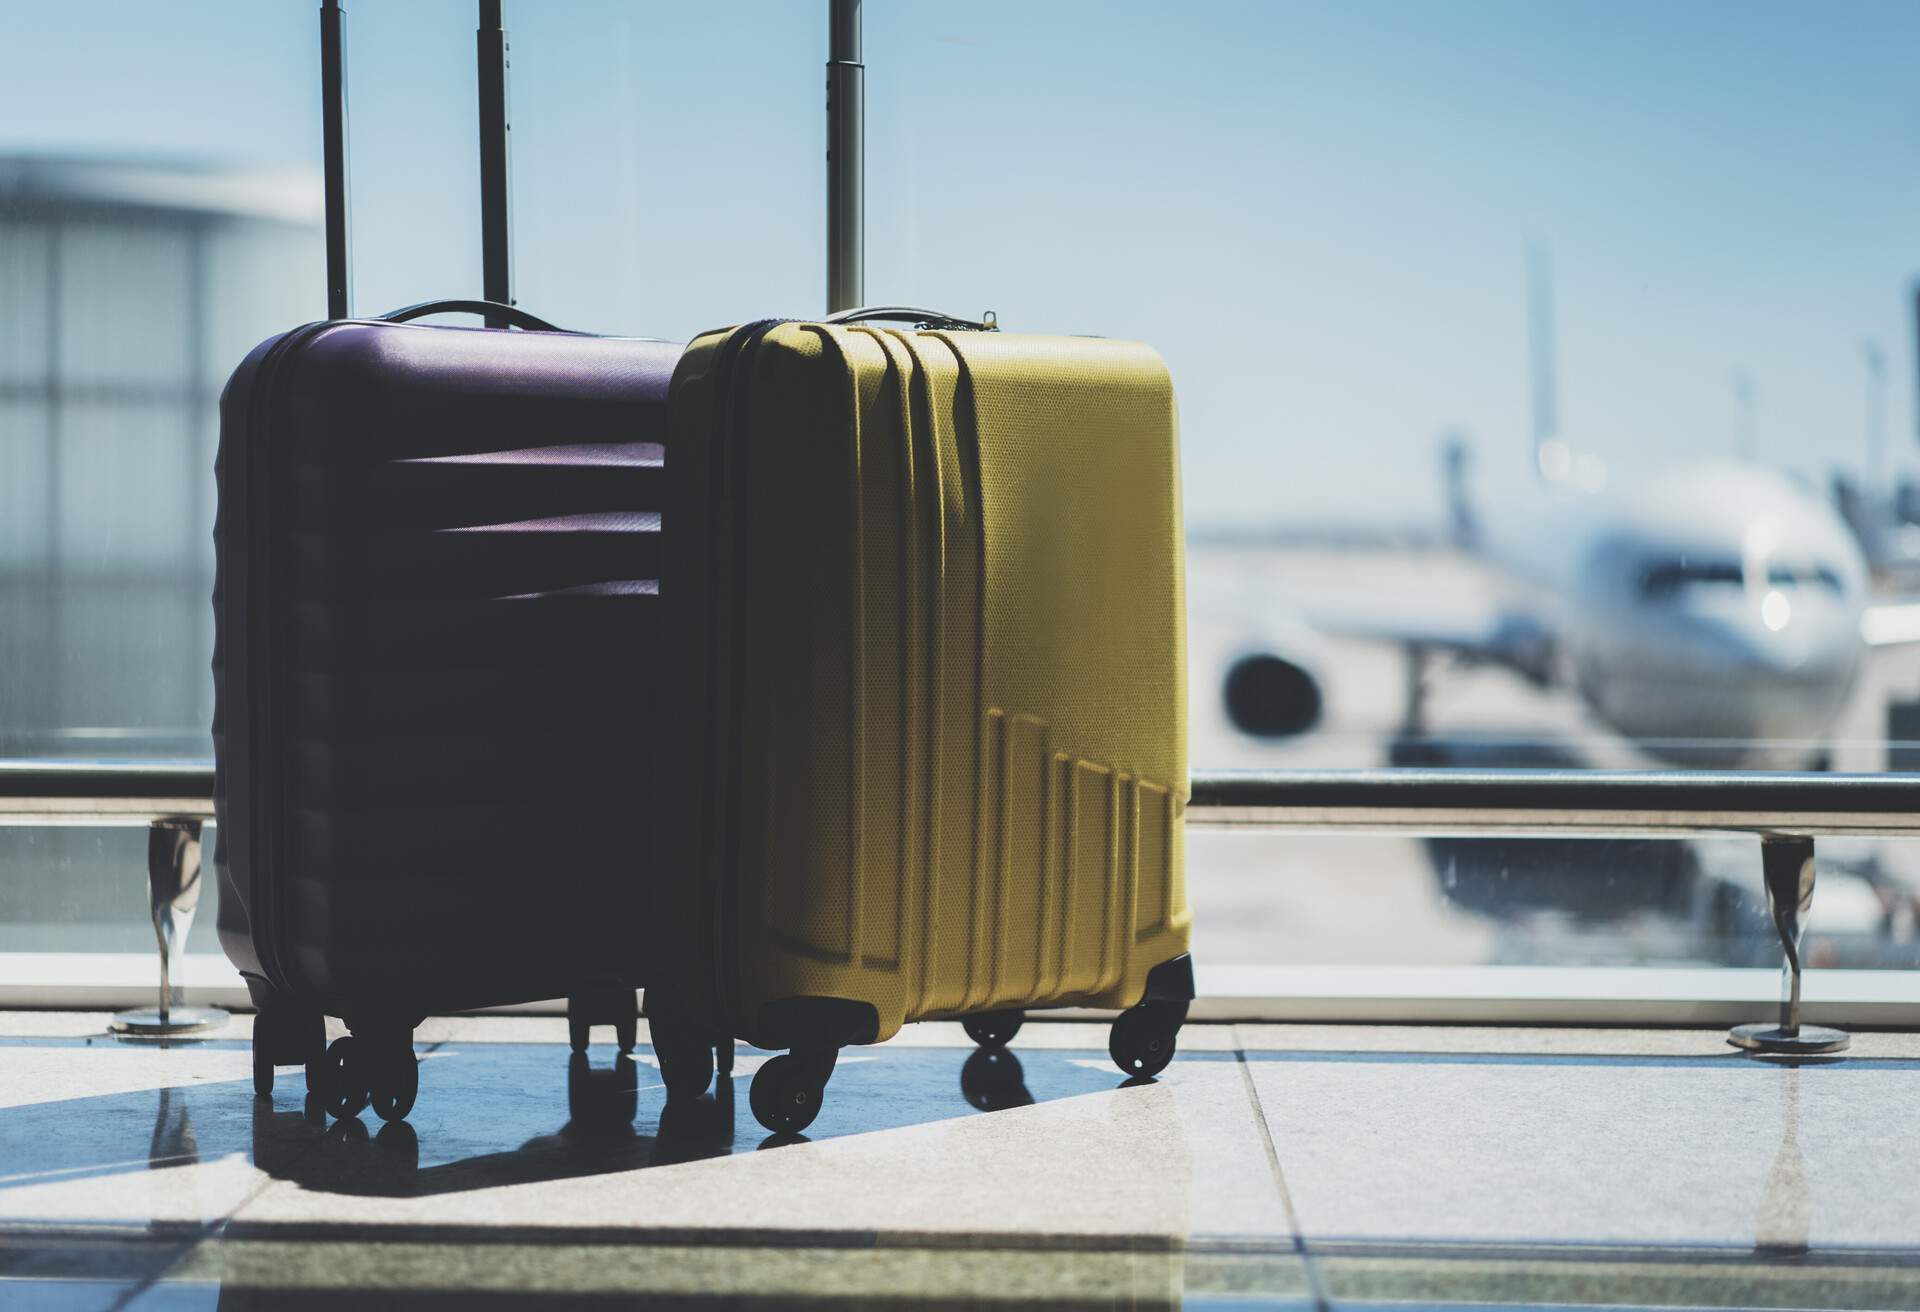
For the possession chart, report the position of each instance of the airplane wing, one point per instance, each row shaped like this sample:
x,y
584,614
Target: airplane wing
x,y
1517,639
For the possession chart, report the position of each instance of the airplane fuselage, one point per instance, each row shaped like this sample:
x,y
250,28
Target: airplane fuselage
x,y
1712,615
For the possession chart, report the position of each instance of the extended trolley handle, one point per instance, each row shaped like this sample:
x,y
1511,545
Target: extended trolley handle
x,y
495,163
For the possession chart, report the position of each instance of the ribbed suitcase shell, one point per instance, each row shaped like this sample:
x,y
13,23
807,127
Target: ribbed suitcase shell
x,y
435,632
927,743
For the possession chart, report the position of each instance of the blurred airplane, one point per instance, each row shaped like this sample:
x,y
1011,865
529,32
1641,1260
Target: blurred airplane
x,y
1713,615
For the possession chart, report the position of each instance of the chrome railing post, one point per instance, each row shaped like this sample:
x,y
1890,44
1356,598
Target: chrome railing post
x,y
173,895
1787,866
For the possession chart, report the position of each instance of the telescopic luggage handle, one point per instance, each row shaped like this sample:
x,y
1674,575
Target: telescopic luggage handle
x,y
496,257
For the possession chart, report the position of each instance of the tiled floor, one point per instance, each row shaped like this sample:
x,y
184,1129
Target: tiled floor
x,y
1269,1167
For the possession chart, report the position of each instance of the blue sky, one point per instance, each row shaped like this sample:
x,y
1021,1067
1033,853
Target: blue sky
x,y
1317,212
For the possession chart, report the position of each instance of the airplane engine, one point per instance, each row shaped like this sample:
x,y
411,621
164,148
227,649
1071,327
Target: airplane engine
x,y
1269,696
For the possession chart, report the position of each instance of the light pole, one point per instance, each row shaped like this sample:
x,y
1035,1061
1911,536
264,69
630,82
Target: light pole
x,y
1876,361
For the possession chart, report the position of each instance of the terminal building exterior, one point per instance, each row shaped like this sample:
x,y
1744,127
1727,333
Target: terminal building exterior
x,y
128,292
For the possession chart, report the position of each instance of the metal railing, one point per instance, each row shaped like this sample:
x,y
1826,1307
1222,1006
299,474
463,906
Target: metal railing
x,y
1565,802
88,793
1786,811
1416,801
172,801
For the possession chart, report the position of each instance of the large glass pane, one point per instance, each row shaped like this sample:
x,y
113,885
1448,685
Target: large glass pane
x,y
159,217
128,475
1544,370
1546,389
83,890
124,302
26,329
25,521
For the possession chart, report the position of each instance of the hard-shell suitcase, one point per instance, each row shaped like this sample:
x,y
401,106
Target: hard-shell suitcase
x,y
925,754
435,625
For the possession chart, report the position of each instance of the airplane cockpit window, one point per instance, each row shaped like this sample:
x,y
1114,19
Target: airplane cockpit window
x,y
1811,576
1667,578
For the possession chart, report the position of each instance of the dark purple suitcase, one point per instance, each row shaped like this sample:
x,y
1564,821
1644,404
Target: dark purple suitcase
x,y
435,635
435,654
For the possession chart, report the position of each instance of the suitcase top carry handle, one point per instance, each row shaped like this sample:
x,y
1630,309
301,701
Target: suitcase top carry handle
x,y
488,310
987,323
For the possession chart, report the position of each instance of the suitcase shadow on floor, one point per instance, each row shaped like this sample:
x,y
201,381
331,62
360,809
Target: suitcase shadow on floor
x,y
502,1120
362,1156
371,1159
606,1129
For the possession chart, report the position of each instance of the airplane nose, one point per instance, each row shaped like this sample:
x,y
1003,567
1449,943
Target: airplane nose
x,y
1788,641
1799,673
1786,656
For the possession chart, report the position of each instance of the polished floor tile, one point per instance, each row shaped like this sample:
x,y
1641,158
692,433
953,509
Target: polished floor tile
x,y
1495,1148
1036,1177
1287,1167
103,1134
900,1147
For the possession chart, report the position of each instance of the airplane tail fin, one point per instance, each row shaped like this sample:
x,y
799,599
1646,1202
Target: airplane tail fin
x,y
1456,461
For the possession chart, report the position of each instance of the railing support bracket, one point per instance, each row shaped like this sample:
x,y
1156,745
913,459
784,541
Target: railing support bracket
x,y
173,887
1788,868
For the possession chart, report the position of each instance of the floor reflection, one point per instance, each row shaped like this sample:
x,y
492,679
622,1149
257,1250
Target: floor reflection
x,y
173,1142
492,1114
485,1117
1785,1223
360,1155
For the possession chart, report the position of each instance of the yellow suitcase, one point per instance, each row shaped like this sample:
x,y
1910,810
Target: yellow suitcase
x,y
924,747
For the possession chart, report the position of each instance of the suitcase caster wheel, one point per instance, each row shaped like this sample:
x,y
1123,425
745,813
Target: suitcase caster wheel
x,y
993,1029
1142,1041
619,1008
685,1055
262,1063
395,1079
686,1069
786,1094
343,1070
280,1040
992,1081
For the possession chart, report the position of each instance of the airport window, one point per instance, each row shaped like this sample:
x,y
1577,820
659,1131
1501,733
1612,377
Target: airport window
x,y
1461,302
